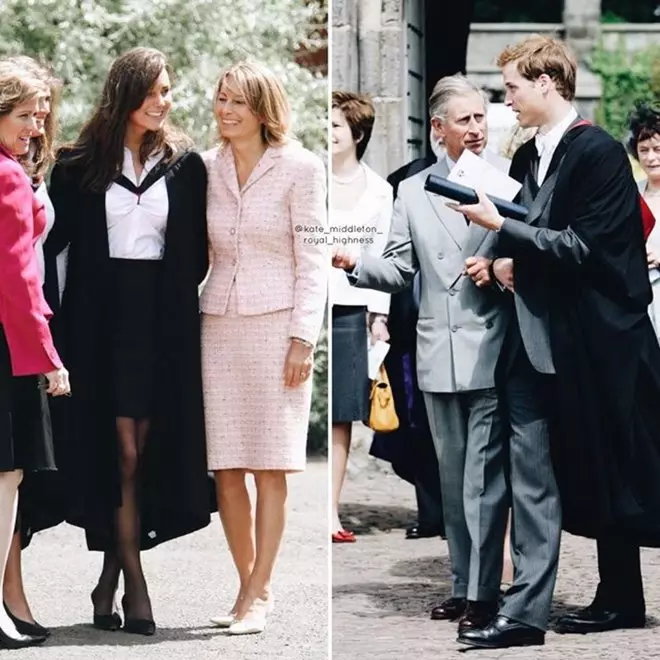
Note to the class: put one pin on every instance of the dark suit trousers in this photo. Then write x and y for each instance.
(619, 567)
(528, 397)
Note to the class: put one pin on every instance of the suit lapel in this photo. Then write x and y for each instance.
(452, 221)
(544, 194)
(265, 164)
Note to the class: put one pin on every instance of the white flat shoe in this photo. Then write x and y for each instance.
(254, 621)
(223, 620)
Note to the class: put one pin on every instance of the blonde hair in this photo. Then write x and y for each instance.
(41, 155)
(264, 95)
(538, 55)
(17, 85)
(516, 138)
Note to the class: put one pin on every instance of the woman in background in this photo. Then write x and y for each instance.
(130, 200)
(359, 198)
(262, 311)
(644, 145)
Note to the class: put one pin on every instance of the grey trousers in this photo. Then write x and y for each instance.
(528, 399)
(467, 433)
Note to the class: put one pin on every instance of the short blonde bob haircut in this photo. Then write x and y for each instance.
(264, 95)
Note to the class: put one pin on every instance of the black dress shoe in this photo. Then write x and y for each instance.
(597, 619)
(425, 531)
(20, 642)
(110, 622)
(479, 614)
(501, 633)
(449, 609)
(25, 627)
(136, 626)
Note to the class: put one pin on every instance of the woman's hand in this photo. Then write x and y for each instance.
(652, 258)
(299, 363)
(378, 328)
(58, 382)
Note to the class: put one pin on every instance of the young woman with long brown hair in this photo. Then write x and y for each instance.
(130, 202)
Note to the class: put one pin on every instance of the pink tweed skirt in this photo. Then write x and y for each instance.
(253, 421)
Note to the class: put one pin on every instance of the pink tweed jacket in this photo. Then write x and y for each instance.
(270, 237)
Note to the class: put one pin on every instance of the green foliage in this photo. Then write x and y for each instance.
(79, 38)
(317, 440)
(626, 78)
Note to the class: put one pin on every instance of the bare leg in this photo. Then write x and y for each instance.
(270, 522)
(341, 441)
(13, 590)
(129, 433)
(9, 482)
(236, 515)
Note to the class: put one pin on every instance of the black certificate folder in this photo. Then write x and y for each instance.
(438, 185)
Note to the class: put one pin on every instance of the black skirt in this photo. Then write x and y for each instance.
(26, 437)
(350, 370)
(133, 345)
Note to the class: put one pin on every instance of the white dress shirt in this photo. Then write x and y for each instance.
(137, 230)
(546, 144)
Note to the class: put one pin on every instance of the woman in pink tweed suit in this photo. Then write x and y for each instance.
(262, 307)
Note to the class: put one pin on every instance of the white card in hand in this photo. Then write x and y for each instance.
(475, 172)
(376, 355)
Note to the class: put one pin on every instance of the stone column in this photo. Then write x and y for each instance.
(381, 43)
(582, 33)
(345, 66)
(582, 25)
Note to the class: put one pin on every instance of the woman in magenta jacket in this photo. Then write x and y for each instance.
(26, 347)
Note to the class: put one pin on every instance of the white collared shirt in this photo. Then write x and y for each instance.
(137, 230)
(546, 144)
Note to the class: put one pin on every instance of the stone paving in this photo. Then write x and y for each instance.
(384, 585)
(190, 579)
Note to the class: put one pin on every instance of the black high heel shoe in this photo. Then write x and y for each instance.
(136, 626)
(21, 641)
(109, 622)
(25, 627)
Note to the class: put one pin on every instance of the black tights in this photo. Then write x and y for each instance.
(125, 557)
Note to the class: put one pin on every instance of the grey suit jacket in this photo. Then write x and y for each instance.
(460, 327)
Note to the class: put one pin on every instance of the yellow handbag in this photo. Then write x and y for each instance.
(382, 416)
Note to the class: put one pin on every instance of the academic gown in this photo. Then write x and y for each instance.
(605, 439)
(176, 498)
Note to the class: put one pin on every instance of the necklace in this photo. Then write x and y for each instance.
(350, 179)
(652, 193)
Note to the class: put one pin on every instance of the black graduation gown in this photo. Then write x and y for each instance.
(175, 497)
(606, 438)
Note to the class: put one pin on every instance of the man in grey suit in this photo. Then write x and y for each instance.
(459, 334)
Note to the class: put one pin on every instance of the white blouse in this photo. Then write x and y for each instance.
(363, 228)
(136, 227)
(41, 193)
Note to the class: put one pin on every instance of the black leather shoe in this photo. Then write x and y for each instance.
(597, 619)
(425, 531)
(21, 641)
(25, 627)
(449, 609)
(136, 626)
(501, 633)
(479, 614)
(110, 622)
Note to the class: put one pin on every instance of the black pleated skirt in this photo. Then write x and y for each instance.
(26, 436)
(350, 370)
(133, 335)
